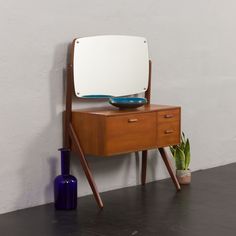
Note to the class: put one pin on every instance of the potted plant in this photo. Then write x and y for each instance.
(181, 154)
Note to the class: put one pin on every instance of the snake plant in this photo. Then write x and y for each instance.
(181, 153)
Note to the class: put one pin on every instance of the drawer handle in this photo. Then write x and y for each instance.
(169, 131)
(132, 120)
(169, 116)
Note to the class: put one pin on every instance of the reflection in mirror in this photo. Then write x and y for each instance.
(110, 65)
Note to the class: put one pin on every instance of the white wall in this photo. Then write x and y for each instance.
(192, 46)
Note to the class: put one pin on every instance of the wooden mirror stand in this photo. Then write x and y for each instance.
(108, 131)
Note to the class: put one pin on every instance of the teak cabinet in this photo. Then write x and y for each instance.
(108, 131)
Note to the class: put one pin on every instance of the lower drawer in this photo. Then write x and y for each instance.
(168, 134)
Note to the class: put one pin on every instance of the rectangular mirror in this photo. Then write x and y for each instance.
(110, 65)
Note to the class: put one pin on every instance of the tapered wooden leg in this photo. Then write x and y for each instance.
(167, 163)
(85, 166)
(144, 167)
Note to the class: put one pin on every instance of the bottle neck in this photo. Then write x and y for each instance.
(65, 161)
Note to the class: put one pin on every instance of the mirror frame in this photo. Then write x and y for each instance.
(130, 91)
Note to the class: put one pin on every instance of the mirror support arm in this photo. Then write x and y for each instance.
(148, 91)
(144, 152)
(67, 114)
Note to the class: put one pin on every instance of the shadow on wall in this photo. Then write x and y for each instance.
(41, 158)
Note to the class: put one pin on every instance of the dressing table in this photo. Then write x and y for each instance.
(97, 66)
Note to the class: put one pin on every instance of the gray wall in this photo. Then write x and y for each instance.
(192, 46)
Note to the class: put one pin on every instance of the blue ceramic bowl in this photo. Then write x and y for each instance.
(127, 102)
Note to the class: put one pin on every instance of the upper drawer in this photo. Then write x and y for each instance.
(171, 115)
(129, 133)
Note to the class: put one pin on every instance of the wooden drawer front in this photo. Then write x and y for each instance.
(168, 127)
(168, 133)
(171, 115)
(129, 133)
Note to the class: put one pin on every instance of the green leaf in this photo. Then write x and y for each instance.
(187, 154)
(179, 159)
(183, 139)
(181, 153)
(182, 145)
(172, 149)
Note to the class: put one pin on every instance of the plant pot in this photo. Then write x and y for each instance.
(183, 176)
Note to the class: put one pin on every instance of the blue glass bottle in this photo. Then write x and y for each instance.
(65, 185)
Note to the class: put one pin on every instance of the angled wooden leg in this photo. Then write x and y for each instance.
(167, 163)
(85, 166)
(144, 167)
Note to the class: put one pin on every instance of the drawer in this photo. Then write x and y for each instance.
(168, 133)
(129, 133)
(172, 115)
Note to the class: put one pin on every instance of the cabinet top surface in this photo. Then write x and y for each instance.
(112, 111)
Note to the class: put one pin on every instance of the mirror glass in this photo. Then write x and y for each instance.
(110, 66)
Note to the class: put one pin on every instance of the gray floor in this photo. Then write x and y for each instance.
(206, 207)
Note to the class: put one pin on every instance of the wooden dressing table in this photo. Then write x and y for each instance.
(108, 131)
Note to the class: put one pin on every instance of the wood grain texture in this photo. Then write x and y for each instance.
(145, 152)
(148, 92)
(169, 169)
(112, 111)
(111, 132)
(124, 136)
(85, 166)
(168, 127)
(170, 115)
(144, 167)
(90, 130)
(67, 114)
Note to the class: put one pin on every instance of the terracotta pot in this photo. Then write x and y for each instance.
(183, 176)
